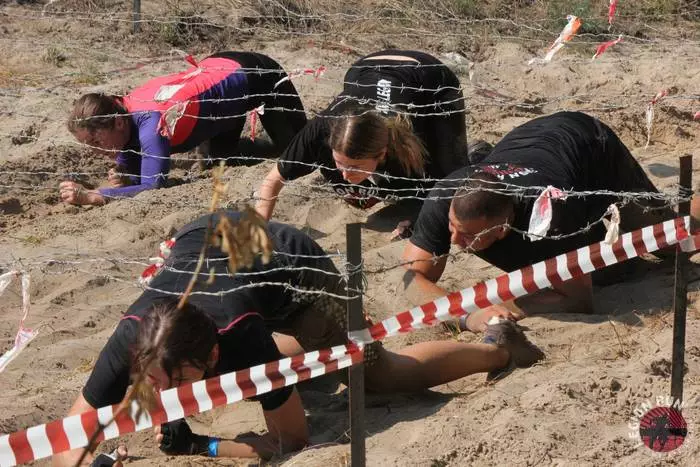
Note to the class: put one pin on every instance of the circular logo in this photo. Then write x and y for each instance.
(663, 429)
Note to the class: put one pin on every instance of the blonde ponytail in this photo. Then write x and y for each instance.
(366, 136)
(405, 146)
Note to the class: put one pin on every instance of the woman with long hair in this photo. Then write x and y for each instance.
(399, 121)
(228, 325)
(204, 106)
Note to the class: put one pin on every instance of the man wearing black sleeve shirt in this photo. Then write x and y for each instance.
(567, 150)
(227, 325)
(373, 142)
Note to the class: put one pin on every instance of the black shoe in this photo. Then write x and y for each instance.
(510, 336)
(478, 150)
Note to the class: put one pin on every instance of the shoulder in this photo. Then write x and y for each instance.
(454, 179)
(288, 239)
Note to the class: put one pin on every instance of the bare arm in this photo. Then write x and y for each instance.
(287, 431)
(69, 458)
(422, 273)
(268, 192)
(75, 193)
(423, 270)
(572, 296)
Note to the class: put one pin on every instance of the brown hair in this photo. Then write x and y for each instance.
(95, 111)
(172, 337)
(366, 136)
(479, 197)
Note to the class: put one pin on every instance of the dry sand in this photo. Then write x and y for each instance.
(571, 410)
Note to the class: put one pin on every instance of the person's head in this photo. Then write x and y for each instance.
(361, 143)
(99, 120)
(478, 214)
(174, 346)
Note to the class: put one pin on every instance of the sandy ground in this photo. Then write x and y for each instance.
(571, 410)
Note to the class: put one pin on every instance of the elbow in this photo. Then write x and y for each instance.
(273, 183)
(154, 184)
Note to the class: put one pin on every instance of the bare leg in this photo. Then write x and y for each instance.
(429, 364)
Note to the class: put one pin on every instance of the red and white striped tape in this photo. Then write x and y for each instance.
(24, 335)
(611, 11)
(75, 431)
(605, 46)
(529, 279)
(650, 112)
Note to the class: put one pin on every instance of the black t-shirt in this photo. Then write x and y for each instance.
(568, 150)
(245, 317)
(385, 86)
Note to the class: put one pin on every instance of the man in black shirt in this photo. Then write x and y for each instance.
(227, 325)
(489, 213)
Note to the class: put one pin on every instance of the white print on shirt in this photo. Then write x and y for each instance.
(363, 197)
(501, 171)
(383, 95)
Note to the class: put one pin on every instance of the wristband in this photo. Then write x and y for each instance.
(214, 447)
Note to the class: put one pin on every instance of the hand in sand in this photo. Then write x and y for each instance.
(74, 193)
(115, 178)
(477, 321)
(111, 460)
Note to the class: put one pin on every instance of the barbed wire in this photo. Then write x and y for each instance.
(287, 286)
(166, 267)
(499, 100)
(509, 189)
(175, 53)
(50, 261)
(403, 31)
(377, 192)
(429, 16)
(504, 187)
(534, 102)
(372, 14)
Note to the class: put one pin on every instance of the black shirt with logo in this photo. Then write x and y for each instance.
(567, 150)
(244, 317)
(422, 86)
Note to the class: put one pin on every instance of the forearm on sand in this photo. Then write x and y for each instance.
(264, 446)
(419, 289)
(70, 458)
(268, 192)
(570, 297)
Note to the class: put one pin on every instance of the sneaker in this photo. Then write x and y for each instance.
(478, 150)
(510, 336)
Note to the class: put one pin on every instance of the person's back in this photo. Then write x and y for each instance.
(565, 148)
(183, 104)
(204, 106)
(297, 264)
(398, 125)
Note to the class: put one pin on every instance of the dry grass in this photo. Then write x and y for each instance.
(465, 26)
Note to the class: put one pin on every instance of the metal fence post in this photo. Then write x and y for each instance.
(137, 16)
(680, 297)
(356, 373)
